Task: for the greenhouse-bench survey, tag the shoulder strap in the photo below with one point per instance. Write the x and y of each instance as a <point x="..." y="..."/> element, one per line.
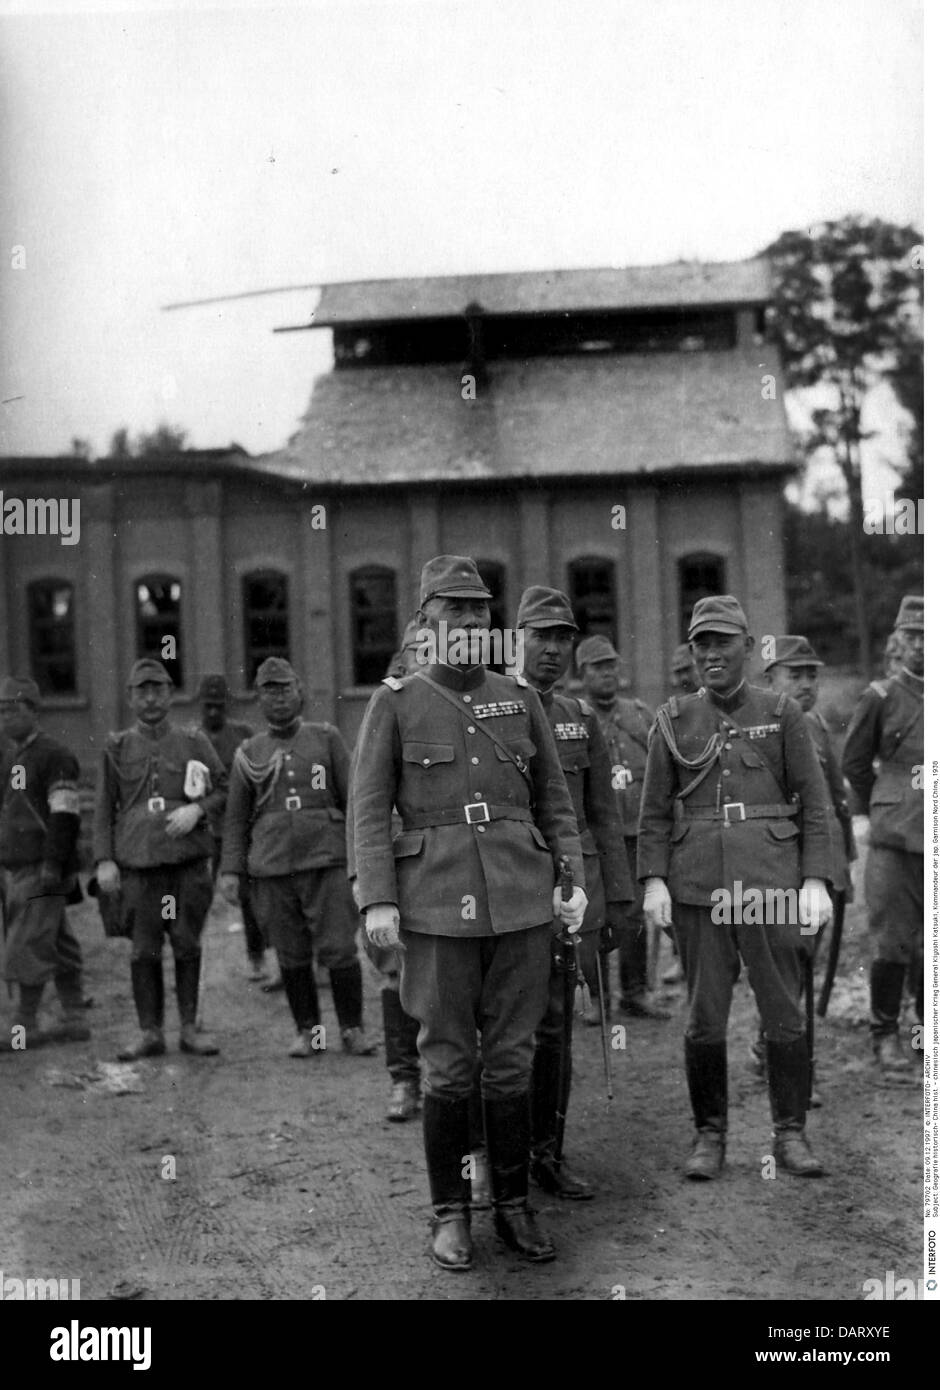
<point x="392" y="682"/>
<point x="583" y="706"/>
<point x="781" y="704"/>
<point x="880" y="689"/>
<point x="482" y="724"/>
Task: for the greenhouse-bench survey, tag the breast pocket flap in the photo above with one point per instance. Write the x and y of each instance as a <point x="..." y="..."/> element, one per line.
<point x="428" y="754"/>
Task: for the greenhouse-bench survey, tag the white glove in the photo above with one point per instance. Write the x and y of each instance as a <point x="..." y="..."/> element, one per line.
<point x="382" y="921"/>
<point x="657" y="904"/>
<point x="815" y="906"/>
<point x="572" y="910"/>
<point x="108" y="875"/>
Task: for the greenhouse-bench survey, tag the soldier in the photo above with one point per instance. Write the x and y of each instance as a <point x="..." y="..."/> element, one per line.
<point x="159" y="787"/>
<point x="467" y="891"/>
<point x="225" y="735"/>
<point x="793" y="670"/>
<point x="285" y="827"/>
<point x="625" y="725"/>
<point x="888" y="727"/>
<point x="730" y="769"/>
<point x="547" y="623"/>
<point x="39" y="826"/>
<point x="683" y="677"/>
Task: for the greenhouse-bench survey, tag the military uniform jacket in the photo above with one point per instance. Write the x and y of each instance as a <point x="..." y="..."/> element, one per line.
<point x="140" y="780"/>
<point x="587" y="770"/>
<point x="626" y="726"/>
<point x="451" y="871"/>
<point x="225" y="742"/>
<point x="286" y="809"/>
<point x="39" y="811"/>
<point x="888" y="725"/>
<point x="842" y="841"/>
<point x="739" y="824"/>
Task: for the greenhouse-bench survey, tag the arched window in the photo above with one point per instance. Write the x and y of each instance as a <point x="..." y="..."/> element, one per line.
<point x="265" y="615"/>
<point x="51" y="607"/>
<point x="592" y="588"/>
<point x="158" y="608"/>
<point x="700" y="574"/>
<point x="373" y="607"/>
<point x="493" y="575"/>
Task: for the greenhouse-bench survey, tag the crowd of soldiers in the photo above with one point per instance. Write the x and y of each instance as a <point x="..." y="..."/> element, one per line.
<point x="490" y="834"/>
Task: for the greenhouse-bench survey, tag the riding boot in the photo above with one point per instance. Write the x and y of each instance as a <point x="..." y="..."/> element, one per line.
<point x="301" y="992"/>
<point x="74" y="1027"/>
<point x="187" y="1000"/>
<point x="507" y="1134"/>
<point x="401" y="1058"/>
<point x="887" y="992"/>
<point x="706" y="1069"/>
<point x="788" y="1075"/>
<point x="547" y="1167"/>
<point x="346" y="984"/>
<point x="147" y="987"/>
<point x="446" y="1148"/>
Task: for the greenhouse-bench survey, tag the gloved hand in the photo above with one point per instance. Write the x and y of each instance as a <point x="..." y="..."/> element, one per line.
<point x="815" y="906"/>
<point x="108" y="875"/>
<point x="382" y="922"/>
<point x="183" y="819"/>
<point x="657" y="904"/>
<point x="229" y="885"/>
<point x="572" y="911"/>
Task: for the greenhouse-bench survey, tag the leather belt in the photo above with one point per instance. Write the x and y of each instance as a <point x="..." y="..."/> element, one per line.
<point x="475" y="813"/>
<point x="735" y="811"/>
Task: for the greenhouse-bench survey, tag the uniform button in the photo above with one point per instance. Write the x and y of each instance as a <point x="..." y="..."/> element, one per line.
<point x="471" y="729"/>
<point x="727" y="772"/>
<point x="466" y="699"/>
<point x="481" y="828"/>
<point x="478" y="796"/>
<point x="475" y="761"/>
<point x="427" y="762"/>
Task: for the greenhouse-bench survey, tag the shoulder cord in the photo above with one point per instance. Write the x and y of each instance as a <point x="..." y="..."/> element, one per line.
<point x="257" y="774"/>
<point x="702" y="764"/>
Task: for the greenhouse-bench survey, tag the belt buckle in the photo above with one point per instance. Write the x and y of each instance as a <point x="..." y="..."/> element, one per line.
<point x="476" y="806"/>
<point x="733" y="806"/>
<point x="156" y="803"/>
<point x="292" y="802"/>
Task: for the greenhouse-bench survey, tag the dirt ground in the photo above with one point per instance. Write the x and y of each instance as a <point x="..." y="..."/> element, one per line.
<point x="290" y="1185"/>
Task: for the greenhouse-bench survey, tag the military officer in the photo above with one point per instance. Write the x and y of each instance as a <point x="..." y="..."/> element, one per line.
<point x="467" y="889"/>
<point x="39" y="826"/>
<point x="159" y="788"/>
<point x="225" y="735"/>
<point x="730" y="769"/>
<point x="625" y="724"/>
<point x="683" y="677"/>
<point x="883" y="760"/>
<point x="792" y="669"/>
<point x="285" y="827"/>
<point x="548" y="628"/>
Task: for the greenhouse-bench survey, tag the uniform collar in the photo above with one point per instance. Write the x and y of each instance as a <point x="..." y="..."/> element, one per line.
<point x="287" y="731"/>
<point x="21" y="747"/>
<point x="154" y="732"/>
<point x="457" y="677"/>
<point x="729" y="703"/>
<point x="915" y="684"/>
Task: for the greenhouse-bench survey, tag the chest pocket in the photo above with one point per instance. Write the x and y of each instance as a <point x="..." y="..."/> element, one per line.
<point x="427" y="754"/>
<point x="750" y="759"/>
<point x="574" y="759"/>
<point x="522" y="748"/>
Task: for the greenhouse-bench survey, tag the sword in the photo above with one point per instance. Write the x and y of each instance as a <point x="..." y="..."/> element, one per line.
<point x="810" y="1020"/>
<point x="838" y="919"/>
<point x="605" y="1039"/>
<point x="569" y="957"/>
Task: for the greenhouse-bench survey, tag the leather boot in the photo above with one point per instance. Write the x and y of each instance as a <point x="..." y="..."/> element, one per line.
<point x="25" y="1017"/>
<point x="304" y="1005"/>
<point x="346" y="984"/>
<point x="706" y="1069"/>
<point x="788" y="1074"/>
<point x="147" y="986"/>
<point x="404" y="1103"/>
<point x="546" y="1167"/>
<point x="74" y="1026"/>
<point x="187" y="999"/>
<point x="887" y="992"/>
<point x="447" y="1148"/>
<point x="401" y="1039"/>
<point x="507" y="1132"/>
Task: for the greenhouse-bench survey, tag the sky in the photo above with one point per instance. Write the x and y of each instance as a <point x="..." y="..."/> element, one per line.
<point x="153" y="156"/>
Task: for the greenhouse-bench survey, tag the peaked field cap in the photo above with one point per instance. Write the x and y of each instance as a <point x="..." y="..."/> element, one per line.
<point x="147" y="669"/>
<point x="911" y="612"/>
<point x="595" y="649"/>
<point x="451" y="576"/>
<point x="274" y="670"/>
<point x="717" y="613"/>
<point x="793" y="651"/>
<point x="20" y="688"/>
<point x="543" y="607"/>
<point x="213" y="688"/>
<point x="681" y="658"/>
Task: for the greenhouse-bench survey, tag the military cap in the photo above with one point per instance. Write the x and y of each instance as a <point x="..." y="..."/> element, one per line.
<point x="274" y="670"/>
<point x="542" y="607"/>
<point x="717" y="613"/>
<point x="792" y="651"/>
<point x="911" y="612"/>
<point x="451" y="576"/>
<point x="147" y="669"/>
<point x="682" y="658"/>
<point x="213" y="689"/>
<point x="594" y="649"/>
<point x="20" y="688"/>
